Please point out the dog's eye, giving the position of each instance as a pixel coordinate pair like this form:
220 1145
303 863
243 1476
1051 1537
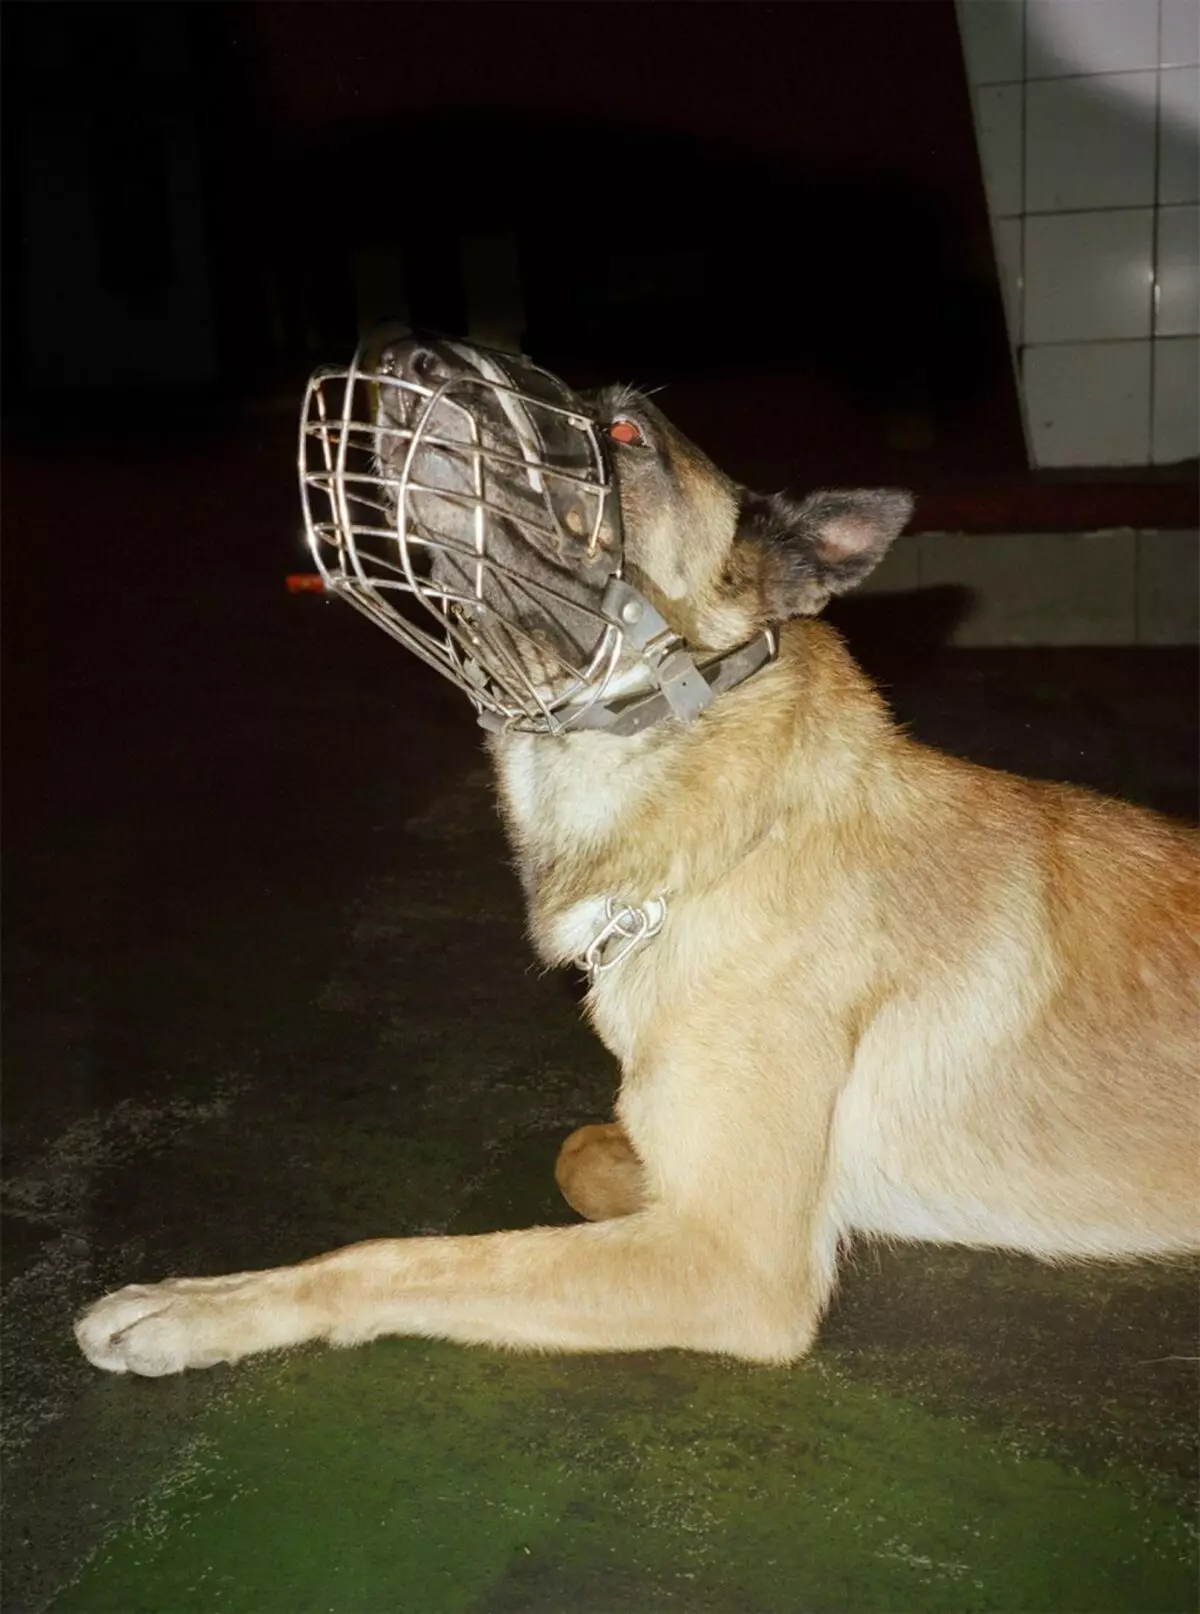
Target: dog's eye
627 432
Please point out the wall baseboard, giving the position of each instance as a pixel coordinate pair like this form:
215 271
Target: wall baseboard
1123 587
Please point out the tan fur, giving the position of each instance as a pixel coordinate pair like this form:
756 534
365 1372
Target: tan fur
895 994
598 1173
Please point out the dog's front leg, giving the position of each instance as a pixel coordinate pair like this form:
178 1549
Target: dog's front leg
646 1281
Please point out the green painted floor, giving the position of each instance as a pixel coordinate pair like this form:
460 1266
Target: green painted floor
266 991
419 1478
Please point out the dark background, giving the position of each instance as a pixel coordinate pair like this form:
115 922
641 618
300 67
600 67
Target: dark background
775 210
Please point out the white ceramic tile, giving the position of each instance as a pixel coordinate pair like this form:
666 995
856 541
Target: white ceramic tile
1088 275
1007 235
1179 135
1090 36
1176 383
1168 587
1179 33
998 130
1177 296
991 40
1088 403
1089 143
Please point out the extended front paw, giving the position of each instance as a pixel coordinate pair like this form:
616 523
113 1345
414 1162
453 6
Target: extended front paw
159 1328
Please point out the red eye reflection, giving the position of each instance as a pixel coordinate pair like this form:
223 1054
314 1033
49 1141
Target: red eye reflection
626 433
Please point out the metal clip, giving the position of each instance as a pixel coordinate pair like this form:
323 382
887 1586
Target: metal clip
629 926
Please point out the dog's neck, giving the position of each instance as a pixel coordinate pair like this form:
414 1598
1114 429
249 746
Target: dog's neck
673 810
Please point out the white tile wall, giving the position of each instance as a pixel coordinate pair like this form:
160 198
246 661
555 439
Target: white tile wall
1083 148
1179 34
1088 275
1089 36
1088 403
993 40
1176 422
1088 119
998 113
1179 135
1008 236
1177 293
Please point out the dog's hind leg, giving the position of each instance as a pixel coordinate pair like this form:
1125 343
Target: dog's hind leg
599 1174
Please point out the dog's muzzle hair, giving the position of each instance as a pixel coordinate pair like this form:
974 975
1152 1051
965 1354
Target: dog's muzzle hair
465 501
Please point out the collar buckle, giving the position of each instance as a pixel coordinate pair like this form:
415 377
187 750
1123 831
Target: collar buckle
626 927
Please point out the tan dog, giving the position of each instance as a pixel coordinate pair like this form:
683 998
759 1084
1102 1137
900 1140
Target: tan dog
891 993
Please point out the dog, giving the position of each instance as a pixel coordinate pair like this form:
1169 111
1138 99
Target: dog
867 990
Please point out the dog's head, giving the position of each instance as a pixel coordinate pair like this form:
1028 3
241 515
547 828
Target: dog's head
719 561
570 551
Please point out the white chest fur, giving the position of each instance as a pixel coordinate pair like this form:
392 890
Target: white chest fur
566 793
565 796
573 931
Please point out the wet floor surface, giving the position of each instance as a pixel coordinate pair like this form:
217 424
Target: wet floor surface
267 991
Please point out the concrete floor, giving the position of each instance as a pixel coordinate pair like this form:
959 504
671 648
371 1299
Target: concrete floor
267 992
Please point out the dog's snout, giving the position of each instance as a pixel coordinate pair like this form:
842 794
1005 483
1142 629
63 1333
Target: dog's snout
425 365
410 360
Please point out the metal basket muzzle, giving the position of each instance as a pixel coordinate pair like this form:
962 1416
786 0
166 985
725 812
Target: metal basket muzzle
470 515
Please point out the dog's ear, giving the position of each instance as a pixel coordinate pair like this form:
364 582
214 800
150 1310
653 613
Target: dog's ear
808 549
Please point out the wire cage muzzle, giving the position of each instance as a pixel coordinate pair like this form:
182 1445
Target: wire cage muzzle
377 526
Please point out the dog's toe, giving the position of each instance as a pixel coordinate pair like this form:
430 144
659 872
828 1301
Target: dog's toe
151 1329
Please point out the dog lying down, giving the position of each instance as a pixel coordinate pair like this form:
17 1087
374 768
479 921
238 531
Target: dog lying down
855 987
